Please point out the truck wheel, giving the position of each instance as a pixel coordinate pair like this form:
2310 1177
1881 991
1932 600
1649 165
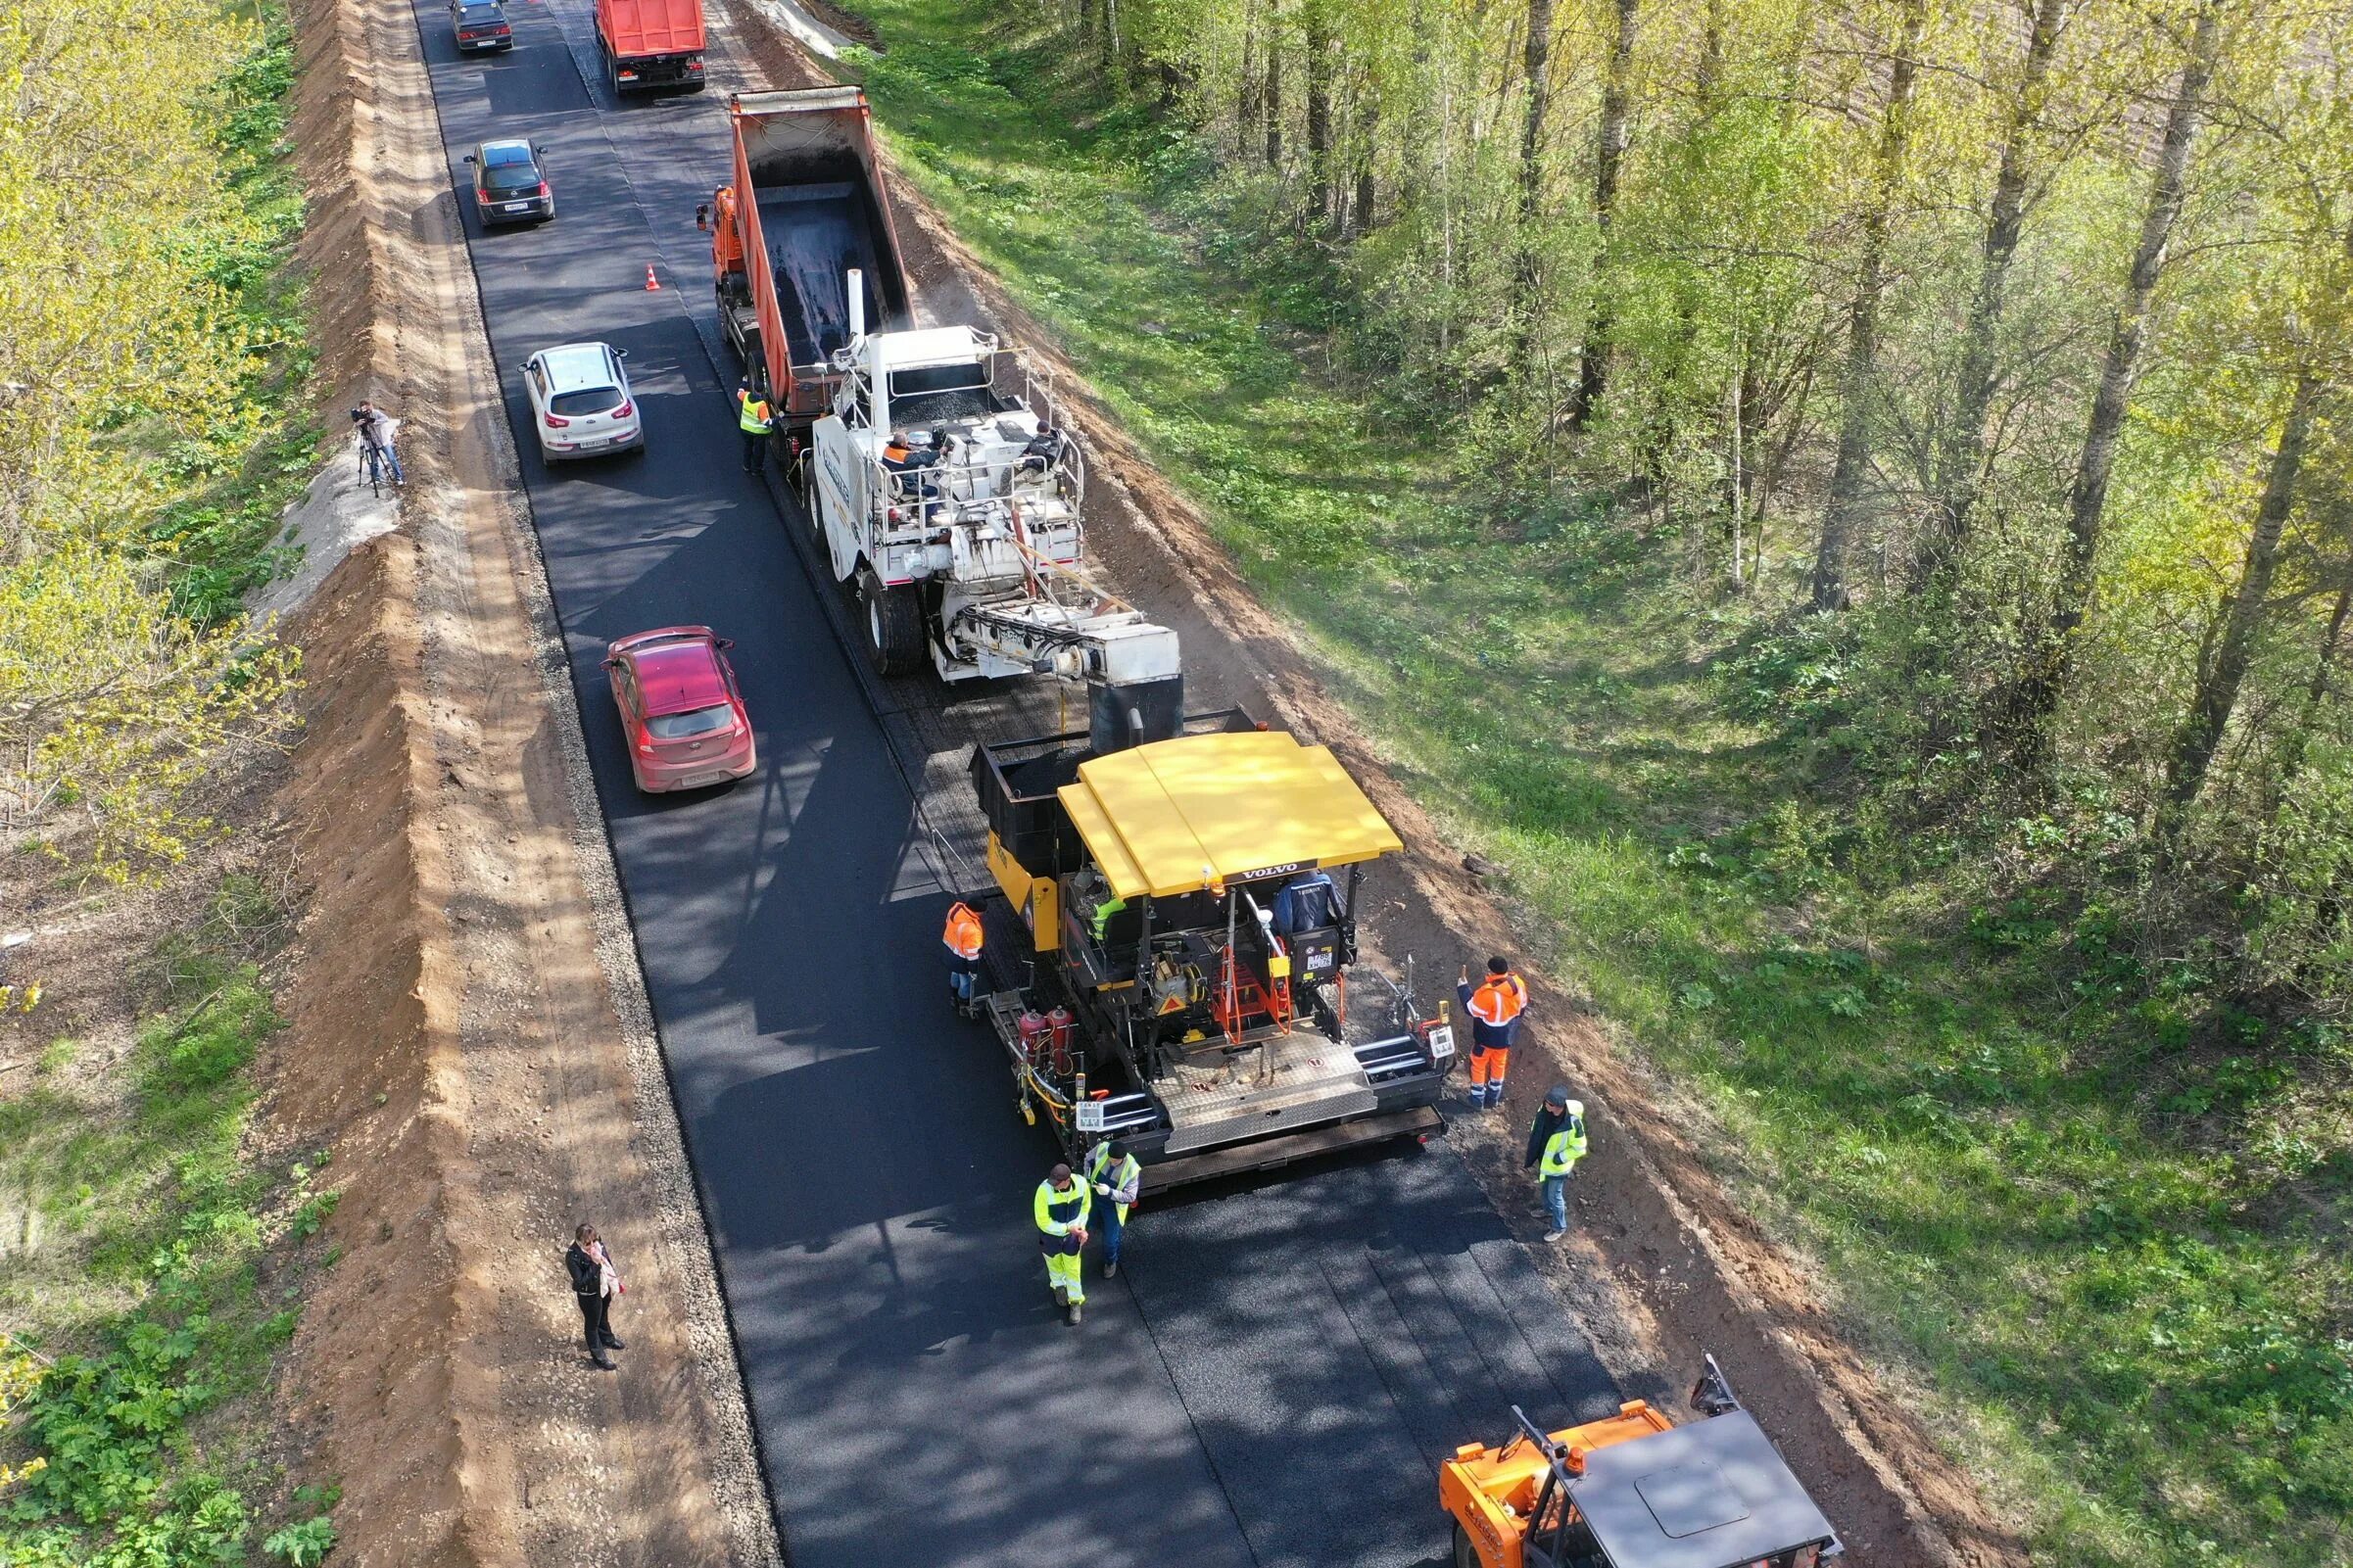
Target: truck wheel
1467 1555
894 625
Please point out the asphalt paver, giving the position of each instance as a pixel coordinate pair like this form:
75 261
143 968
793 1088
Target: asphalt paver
1276 1371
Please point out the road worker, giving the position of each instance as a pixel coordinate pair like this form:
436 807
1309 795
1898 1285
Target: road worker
963 938
1060 1206
1495 1009
1555 1146
1042 451
1115 1177
755 419
1308 902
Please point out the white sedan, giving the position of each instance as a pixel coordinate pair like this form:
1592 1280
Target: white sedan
580 404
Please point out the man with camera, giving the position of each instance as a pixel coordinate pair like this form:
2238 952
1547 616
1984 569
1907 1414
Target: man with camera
375 428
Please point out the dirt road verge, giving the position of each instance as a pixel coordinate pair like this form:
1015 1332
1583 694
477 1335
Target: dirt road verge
469 1036
1693 1272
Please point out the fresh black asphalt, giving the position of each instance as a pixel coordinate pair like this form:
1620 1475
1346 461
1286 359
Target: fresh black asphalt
1272 1378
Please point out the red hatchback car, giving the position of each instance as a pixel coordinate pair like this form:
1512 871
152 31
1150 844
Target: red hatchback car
680 708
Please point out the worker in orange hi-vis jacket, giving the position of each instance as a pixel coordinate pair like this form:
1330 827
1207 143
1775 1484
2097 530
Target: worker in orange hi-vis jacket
963 939
1496 1008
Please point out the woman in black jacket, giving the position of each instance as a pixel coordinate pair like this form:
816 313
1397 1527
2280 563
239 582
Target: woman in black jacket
595 1284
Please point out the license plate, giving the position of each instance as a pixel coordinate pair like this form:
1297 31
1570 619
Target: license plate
701 781
516 207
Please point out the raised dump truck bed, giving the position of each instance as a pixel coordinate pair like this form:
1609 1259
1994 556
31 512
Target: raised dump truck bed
808 202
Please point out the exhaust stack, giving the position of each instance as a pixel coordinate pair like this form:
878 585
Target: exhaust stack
857 305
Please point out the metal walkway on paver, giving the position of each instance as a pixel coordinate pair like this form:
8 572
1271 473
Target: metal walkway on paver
1273 1377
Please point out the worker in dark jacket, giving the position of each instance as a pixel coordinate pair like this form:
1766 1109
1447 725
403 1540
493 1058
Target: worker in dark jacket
595 1284
1556 1144
1495 1009
1041 452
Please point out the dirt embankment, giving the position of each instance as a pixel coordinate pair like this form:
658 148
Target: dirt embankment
469 1036
1652 1214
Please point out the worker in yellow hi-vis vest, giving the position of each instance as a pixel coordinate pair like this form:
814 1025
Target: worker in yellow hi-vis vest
755 419
1060 1206
1555 1146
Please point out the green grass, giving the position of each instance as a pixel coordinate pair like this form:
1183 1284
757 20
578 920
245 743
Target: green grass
146 1230
2102 1217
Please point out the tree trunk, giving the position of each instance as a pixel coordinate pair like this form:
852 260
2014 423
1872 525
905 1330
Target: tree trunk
1593 358
1367 132
1274 94
1318 18
2050 658
2325 665
1249 98
1529 267
1844 510
2220 678
1708 75
1957 466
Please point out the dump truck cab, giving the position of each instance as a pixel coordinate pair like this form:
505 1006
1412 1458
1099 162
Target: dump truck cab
1635 1491
1189 905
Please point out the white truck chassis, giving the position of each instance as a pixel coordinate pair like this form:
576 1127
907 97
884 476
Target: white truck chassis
971 548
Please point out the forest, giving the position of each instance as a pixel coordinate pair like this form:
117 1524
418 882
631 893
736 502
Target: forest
2004 345
1843 503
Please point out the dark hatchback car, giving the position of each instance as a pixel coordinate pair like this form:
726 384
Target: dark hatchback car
480 24
509 183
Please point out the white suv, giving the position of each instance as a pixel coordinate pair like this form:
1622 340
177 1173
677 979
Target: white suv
580 401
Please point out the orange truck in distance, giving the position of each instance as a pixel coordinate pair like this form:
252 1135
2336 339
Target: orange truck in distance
650 44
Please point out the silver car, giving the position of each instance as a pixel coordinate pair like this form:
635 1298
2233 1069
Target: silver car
581 406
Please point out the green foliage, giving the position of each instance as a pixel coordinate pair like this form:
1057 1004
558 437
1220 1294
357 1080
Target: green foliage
303 1545
156 431
162 1219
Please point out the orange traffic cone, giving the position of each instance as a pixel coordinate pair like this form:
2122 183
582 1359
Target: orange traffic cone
651 282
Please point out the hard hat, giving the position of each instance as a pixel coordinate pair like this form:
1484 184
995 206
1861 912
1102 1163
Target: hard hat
1576 1108
1557 1094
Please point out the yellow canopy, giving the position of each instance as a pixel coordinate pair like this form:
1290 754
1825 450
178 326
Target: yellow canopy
1175 816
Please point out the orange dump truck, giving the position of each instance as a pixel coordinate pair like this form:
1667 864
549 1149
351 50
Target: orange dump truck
1635 1491
802 224
650 44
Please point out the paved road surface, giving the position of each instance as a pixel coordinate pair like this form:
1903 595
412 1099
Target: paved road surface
1273 1379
